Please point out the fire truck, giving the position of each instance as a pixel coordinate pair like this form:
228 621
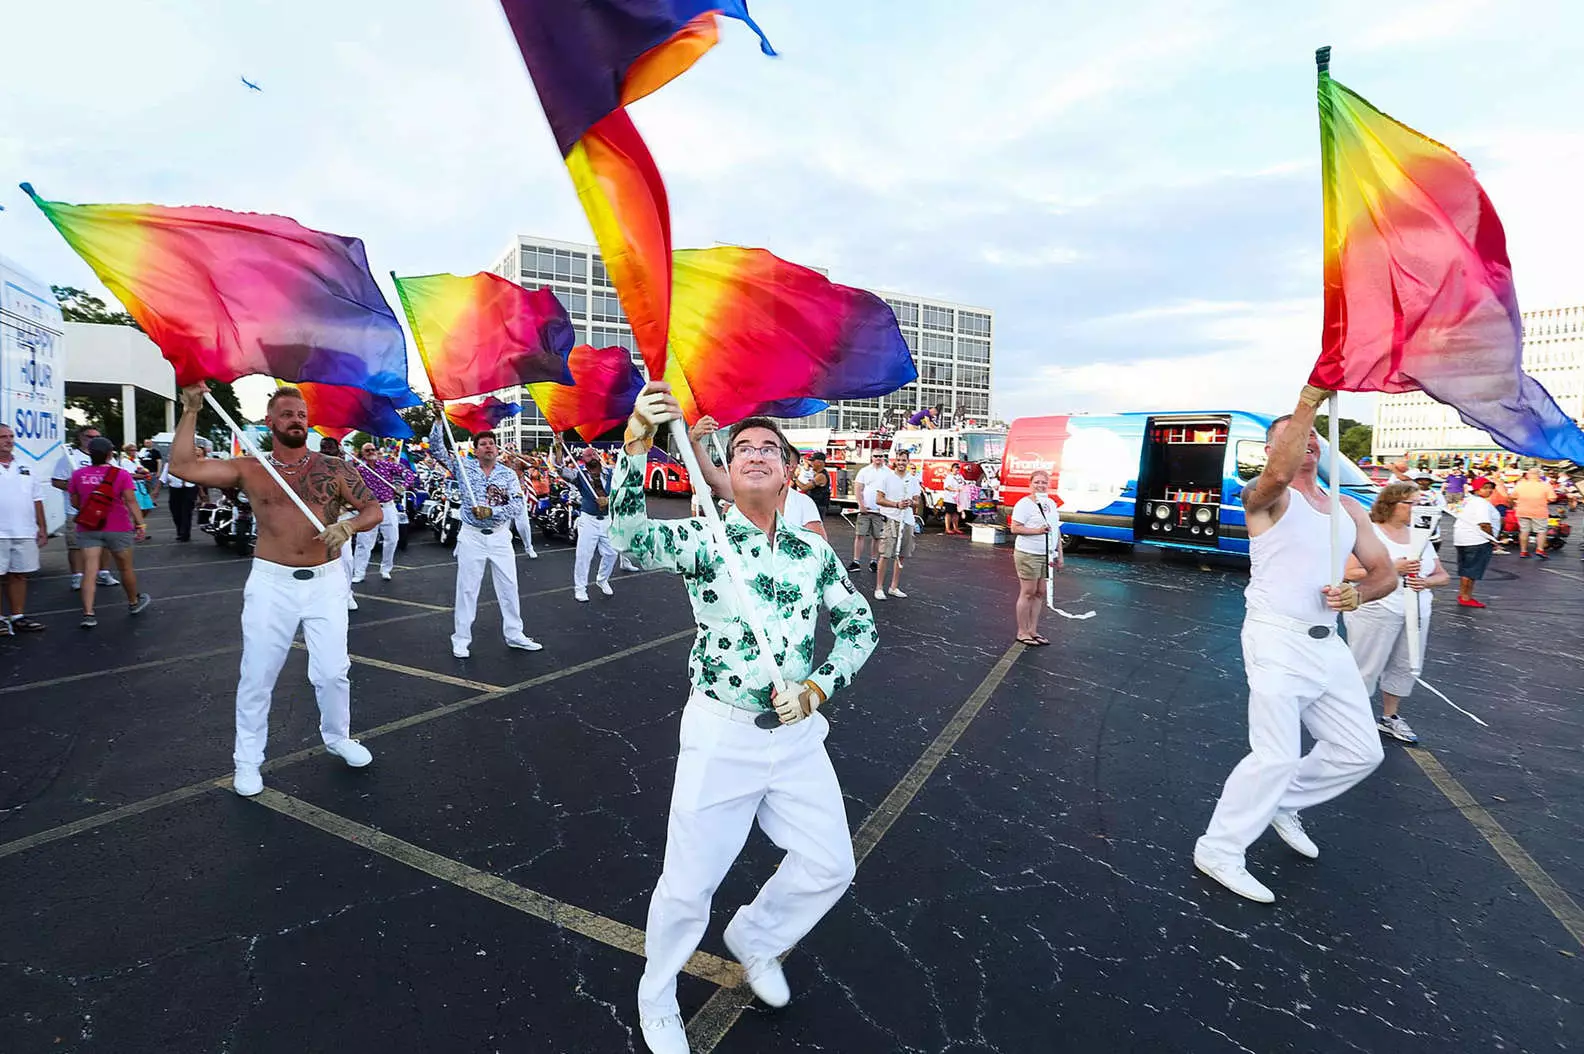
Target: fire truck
978 452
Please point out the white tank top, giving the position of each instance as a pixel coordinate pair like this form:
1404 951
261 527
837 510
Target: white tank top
1291 563
1394 601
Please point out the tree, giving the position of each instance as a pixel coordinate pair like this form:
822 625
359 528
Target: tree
209 422
420 417
79 306
1357 441
1323 424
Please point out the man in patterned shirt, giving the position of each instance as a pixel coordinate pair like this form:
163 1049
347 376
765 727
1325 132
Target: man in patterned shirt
485 538
732 769
388 479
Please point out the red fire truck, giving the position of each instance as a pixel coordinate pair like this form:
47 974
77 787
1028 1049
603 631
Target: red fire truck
977 451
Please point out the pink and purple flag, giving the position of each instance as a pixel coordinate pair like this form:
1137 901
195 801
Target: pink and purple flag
483 333
1418 288
754 334
338 410
482 416
227 294
606 386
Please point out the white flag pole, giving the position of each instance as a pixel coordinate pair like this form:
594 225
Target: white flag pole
1334 477
247 444
456 457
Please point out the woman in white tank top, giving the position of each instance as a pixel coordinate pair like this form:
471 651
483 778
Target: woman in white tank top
1378 631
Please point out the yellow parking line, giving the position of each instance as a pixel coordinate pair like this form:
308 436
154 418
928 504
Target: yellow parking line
414 671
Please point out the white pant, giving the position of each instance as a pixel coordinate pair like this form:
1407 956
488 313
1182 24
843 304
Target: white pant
388 533
592 533
1293 680
1379 642
525 531
474 551
728 774
274 603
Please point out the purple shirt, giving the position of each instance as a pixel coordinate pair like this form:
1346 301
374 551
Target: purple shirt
379 477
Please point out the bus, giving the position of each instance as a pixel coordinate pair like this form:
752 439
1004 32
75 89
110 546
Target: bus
1173 480
977 452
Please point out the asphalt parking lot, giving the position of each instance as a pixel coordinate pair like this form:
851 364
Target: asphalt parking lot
1024 821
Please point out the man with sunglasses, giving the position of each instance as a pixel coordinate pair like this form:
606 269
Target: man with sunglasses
733 769
870 524
388 480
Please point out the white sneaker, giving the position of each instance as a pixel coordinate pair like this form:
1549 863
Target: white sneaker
879 594
247 781
460 653
1236 878
532 554
356 579
526 644
77 581
580 596
355 754
1290 828
108 579
898 593
664 1035
1397 728
351 604
764 976
604 587
386 575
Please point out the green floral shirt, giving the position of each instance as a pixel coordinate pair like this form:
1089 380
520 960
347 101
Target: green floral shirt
787 583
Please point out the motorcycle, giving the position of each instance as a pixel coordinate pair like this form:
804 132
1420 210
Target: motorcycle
1557 531
230 522
555 514
445 513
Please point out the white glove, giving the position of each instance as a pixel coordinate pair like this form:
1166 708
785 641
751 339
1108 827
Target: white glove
654 407
797 701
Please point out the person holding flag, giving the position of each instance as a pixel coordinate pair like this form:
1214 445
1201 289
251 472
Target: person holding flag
748 751
1036 551
296 580
593 482
492 500
1300 673
388 480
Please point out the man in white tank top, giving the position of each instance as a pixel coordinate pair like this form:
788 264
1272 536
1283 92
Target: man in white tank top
1300 673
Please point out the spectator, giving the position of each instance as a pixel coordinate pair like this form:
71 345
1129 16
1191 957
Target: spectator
183 495
1474 533
108 510
896 493
22 533
1037 546
128 462
1501 500
1455 484
1377 631
955 486
1532 498
149 458
870 522
72 459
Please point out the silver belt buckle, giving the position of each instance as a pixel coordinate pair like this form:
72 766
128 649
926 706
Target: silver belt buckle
1319 632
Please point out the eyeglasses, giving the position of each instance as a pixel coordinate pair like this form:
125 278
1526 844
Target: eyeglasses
768 452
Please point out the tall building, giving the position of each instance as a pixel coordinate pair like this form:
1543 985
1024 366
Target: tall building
950 342
1553 354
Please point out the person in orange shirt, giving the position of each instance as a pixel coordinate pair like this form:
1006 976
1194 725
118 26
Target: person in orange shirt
1502 500
1532 498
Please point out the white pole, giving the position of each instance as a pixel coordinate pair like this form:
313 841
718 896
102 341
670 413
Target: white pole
1334 476
1419 537
247 444
456 456
1050 575
734 571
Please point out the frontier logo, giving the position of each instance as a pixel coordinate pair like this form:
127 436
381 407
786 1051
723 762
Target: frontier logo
1028 463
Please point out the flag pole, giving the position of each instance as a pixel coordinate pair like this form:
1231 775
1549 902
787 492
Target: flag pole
456 456
257 455
1333 477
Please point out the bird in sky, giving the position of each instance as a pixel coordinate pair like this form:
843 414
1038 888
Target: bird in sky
250 84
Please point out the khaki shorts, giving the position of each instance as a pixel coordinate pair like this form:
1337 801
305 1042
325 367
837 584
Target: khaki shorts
1031 567
870 525
69 530
895 531
1533 525
18 556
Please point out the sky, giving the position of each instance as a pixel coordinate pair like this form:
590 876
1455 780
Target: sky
1132 188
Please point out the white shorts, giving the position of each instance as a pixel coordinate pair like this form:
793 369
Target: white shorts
18 556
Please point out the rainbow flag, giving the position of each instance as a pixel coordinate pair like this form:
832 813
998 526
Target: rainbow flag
752 333
227 294
484 332
474 418
606 385
337 411
588 61
1418 289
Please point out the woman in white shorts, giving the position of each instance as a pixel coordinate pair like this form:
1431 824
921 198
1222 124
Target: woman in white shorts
1378 631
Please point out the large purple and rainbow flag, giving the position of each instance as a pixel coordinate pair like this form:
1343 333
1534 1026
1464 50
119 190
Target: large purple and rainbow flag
588 60
227 294
338 410
1418 289
606 386
752 334
483 333
481 416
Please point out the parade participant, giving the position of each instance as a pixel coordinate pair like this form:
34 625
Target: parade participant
795 506
1377 631
731 770
73 458
22 533
524 521
819 487
492 500
1299 671
1036 551
896 493
149 458
331 448
1474 533
109 521
387 480
296 578
870 524
593 483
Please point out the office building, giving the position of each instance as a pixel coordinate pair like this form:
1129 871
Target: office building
951 343
1553 354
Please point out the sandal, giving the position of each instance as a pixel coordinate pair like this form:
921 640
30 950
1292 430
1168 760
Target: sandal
1028 642
1041 641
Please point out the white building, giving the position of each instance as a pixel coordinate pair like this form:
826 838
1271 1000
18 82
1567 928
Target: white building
950 342
1553 354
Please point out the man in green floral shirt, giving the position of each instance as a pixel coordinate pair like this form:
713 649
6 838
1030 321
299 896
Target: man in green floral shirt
731 770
